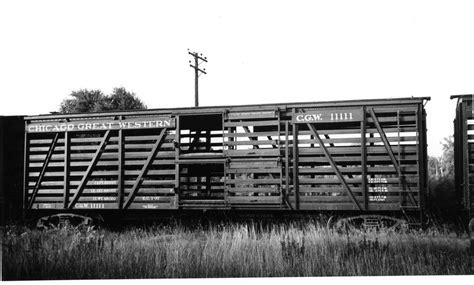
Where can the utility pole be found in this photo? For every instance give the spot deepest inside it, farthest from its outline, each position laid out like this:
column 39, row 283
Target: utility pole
column 198, row 59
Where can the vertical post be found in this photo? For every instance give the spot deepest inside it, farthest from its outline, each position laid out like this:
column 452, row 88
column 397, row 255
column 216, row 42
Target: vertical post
column 177, row 139
column 208, row 140
column 66, row 168
column 287, row 160
column 25, row 171
column 465, row 155
column 283, row 195
column 296, row 186
column 363, row 145
column 121, row 163
column 470, row 189
column 208, row 174
column 471, row 251
column 423, row 163
column 400, row 186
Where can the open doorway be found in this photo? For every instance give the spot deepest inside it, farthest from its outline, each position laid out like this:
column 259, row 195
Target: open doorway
column 201, row 134
column 201, row 161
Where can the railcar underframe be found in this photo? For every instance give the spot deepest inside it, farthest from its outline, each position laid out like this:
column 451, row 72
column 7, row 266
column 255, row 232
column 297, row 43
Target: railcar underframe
column 360, row 156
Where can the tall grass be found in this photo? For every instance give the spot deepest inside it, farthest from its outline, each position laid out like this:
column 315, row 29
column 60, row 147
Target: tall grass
column 226, row 250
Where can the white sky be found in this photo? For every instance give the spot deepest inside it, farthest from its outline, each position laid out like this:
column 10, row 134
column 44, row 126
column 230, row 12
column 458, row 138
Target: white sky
column 258, row 52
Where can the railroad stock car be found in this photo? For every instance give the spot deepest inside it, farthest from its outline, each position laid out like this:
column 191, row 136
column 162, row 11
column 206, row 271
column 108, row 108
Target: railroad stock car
column 464, row 152
column 364, row 158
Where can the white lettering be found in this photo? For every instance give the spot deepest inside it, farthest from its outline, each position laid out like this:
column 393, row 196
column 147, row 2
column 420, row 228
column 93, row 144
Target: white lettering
column 84, row 126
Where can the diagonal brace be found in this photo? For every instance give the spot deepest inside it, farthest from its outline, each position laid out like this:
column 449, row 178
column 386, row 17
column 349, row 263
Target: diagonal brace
column 333, row 165
column 247, row 130
column 145, row 167
column 194, row 144
column 88, row 173
column 43, row 170
column 386, row 143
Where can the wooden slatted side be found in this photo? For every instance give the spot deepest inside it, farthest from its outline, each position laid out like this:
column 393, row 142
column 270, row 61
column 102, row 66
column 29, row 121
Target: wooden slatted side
column 319, row 186
column 157, row 188
column 201, row 141
column 363, row 162
column 468, row 195
column 464, row 153
column 101, row 189
column 201, row 182
column 254, row 183
column 50, row 190
column 396, row 125
column 252, row 134
column 254, row 175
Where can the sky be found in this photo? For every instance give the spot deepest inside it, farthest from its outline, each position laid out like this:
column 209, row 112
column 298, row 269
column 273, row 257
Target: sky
column 258, row 52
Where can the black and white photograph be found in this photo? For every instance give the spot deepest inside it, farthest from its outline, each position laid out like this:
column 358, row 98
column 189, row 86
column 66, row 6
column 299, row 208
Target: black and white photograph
column 237, row 141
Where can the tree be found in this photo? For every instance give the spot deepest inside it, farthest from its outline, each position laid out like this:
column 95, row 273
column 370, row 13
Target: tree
column 443, row 166
column 442, row 194
column 434, row 169
column 447, row 159
column 120, row 100
column 85, row 101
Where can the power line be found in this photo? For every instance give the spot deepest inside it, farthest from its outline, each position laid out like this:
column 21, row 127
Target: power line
column 198, row 59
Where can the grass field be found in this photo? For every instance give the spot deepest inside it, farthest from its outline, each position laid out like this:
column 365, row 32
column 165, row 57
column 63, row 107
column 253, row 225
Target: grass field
column 227, row 250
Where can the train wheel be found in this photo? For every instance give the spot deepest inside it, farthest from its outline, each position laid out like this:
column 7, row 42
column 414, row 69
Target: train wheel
column 370, row 222
column 64, row 220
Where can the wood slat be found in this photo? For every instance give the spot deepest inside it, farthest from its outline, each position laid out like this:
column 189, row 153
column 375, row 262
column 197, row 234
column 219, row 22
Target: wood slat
column 254, row 199
column 253, row 190
column 253, row 181
column 251, row 123
column 253, row 170
column 253, row 134
column 251, row 115
column 252, row 152
column 260, row 142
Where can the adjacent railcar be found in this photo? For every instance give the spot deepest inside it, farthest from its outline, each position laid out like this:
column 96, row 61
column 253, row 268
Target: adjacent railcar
column 464, row 152
column 360, row 157
column 11, row 167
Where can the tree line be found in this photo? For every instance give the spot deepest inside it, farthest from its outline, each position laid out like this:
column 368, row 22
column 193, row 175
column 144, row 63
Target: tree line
column 442, row 197
column 86, row 101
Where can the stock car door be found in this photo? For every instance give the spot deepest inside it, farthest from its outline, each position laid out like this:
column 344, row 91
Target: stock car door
column 253, row 171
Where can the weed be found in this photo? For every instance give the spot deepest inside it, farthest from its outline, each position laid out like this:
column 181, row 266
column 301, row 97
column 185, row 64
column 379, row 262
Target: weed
column 227, row 250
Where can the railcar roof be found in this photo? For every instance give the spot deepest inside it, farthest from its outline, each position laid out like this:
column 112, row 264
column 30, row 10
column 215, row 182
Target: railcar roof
column 462, row 96
column 252, row 107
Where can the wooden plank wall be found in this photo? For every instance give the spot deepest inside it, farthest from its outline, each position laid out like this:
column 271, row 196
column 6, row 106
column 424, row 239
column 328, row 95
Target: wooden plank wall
column 202, row 186
column 464, row 153
column 261, row 159
column 468, row 158
column 376, row 186
column 73, row 154
column 253, row 170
